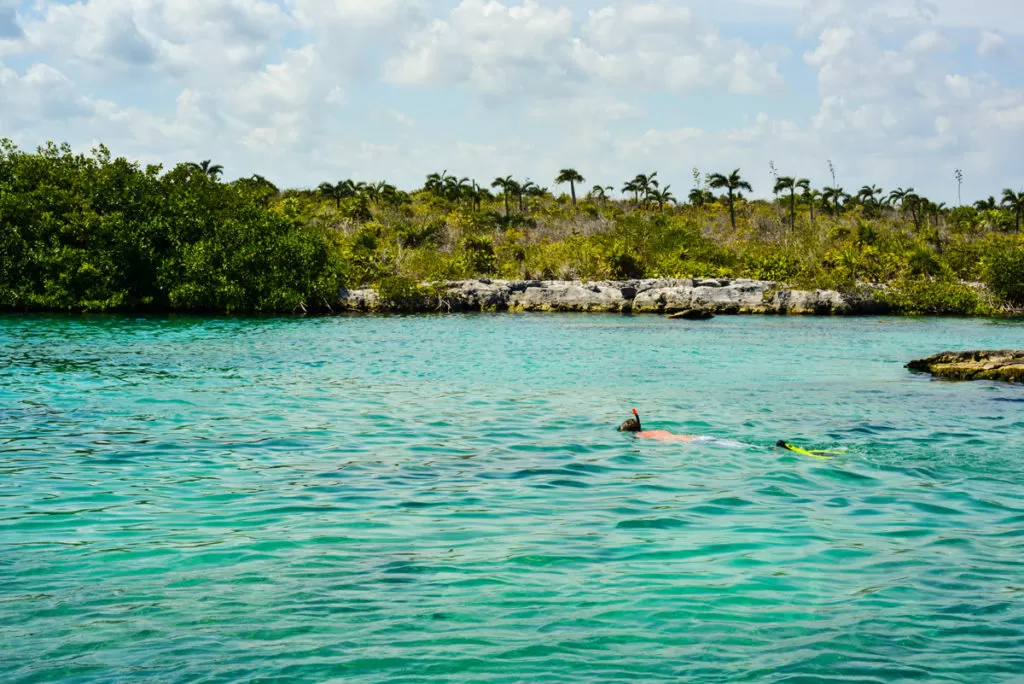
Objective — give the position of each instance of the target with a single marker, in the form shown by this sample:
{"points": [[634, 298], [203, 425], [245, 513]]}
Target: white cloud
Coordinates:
{"points": [[351, 33], [1008, 14], [357, 14], [658, 45], [280, 92], [959, 86], [532, 49], [930, 40], [189, 129], [891, 110], [991, 44], [42, 92], [1005, 113], [492, 48], [176, 37], [584, 108]]}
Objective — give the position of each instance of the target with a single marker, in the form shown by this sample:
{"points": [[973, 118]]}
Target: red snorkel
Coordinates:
{"points": [[637, 420]]}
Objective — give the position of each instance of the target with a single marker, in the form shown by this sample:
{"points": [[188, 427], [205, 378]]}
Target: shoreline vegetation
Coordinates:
{"points": [[93, 232]]}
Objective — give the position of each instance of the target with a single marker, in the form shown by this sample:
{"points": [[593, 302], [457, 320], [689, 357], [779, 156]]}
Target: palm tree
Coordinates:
{"points": [[908, 200], [477, 194], [525, 188], [516, 190], [868, 197], [808, 195], [506, 184], [329, 191], [632, 187], [788, 183], [834, 195], [600, 192], [371, 191], [986, 204], [698, 197], [435, 184], [455, 188], [256, 185], [572, 177], [213, 171], [339, 191], [1014, 201], [640, 185], [916, 204], [897, 197], [382, 191], [661, 196], [731, 184], [646, 182], [392, 196]]}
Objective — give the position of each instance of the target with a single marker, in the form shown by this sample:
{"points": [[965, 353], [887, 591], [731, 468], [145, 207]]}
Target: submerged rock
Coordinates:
{"points": [[1006, 365], [692, 315], [661, 295]]}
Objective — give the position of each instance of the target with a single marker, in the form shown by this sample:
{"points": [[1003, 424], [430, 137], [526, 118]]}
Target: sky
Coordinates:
{"points": [[892, 92]]}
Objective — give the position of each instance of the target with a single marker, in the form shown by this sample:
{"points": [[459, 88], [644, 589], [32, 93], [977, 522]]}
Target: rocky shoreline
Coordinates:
{"points": [[1006, 365], [656, 296]]}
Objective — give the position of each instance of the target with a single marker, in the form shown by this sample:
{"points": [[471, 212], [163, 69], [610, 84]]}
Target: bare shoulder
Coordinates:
{"points": [[665, 436]]}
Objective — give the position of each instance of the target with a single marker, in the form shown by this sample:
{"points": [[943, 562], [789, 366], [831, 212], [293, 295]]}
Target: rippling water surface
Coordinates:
{"points": [[446, 499]]}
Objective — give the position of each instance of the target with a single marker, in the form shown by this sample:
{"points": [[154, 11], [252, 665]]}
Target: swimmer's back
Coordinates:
{"points": [[665, 436]]}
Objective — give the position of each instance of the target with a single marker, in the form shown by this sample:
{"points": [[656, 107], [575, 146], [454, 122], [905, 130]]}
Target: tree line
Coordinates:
{"points": [[94, 232], [645, 190]]}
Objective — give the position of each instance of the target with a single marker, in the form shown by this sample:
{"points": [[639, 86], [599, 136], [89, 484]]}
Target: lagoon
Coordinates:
{"points": [[445, 498]]}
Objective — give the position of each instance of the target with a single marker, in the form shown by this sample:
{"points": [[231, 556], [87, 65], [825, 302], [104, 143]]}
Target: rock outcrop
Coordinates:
{"points": [[1006, 365], [692, 315], [661, 296]]}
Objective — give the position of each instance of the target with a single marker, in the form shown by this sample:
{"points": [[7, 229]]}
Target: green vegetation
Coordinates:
{"points": [[97, 233]]}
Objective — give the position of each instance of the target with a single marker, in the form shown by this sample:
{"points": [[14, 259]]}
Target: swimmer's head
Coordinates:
{"points": [[631, 425]]}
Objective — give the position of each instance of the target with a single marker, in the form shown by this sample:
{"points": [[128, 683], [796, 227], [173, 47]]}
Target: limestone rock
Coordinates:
{"points": [[692, 315], [568, 296], [818, 302], [476, 295], [655, 295], [359, 300], [1006, 365]]}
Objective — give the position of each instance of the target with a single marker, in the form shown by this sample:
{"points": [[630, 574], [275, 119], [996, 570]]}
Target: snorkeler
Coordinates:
{"points": [[633, 425]]}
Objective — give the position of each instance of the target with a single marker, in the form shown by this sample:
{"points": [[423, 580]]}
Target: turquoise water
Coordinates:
{"points": [[415, 499]]}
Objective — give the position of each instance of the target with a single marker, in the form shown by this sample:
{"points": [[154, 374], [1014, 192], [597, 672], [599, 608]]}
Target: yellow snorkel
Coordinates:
{"points": [[822, 455]]}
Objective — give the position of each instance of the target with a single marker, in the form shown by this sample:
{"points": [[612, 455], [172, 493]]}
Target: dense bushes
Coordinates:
{"points": [[941, 297], [97, 233], [1003, 270]]}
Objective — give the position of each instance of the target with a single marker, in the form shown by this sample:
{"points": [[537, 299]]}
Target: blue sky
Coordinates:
{"points": [[897, 93]]}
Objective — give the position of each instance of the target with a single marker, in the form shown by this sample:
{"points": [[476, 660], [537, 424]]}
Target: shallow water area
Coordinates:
{"points": [[445, 498]]}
